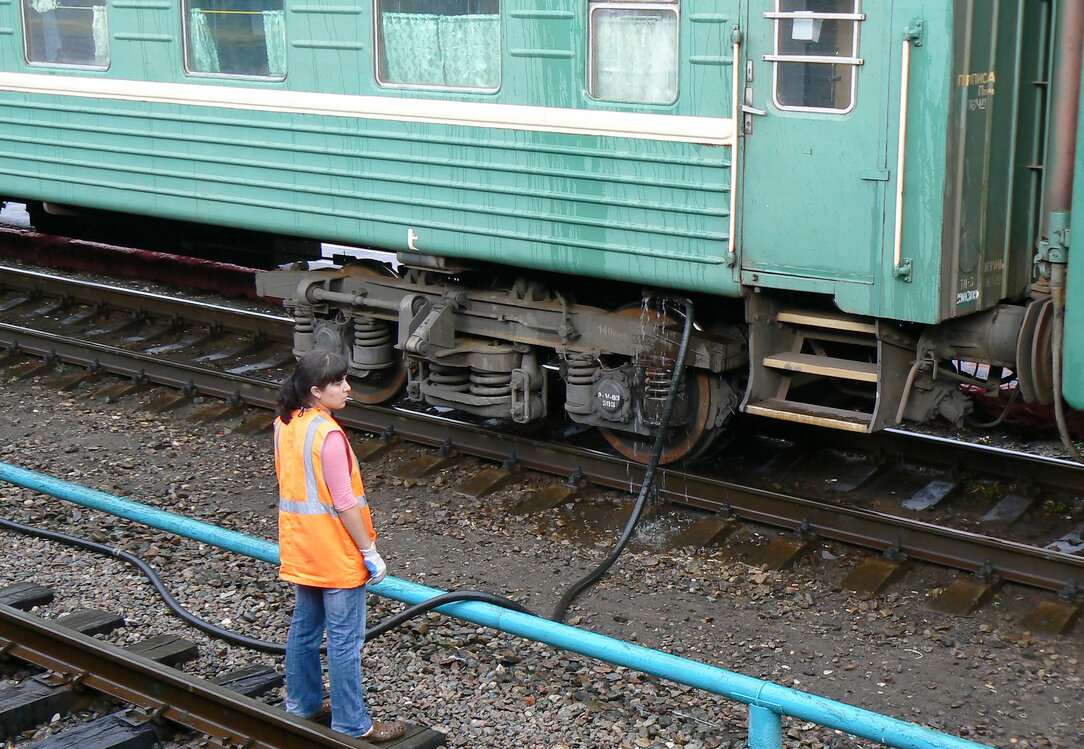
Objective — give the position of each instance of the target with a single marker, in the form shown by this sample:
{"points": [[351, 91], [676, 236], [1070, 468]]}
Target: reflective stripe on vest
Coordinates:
{"points": [[312, 504]]}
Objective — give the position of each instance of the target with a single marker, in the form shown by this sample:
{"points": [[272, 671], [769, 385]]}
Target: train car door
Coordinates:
{"points": [[815, 96]]}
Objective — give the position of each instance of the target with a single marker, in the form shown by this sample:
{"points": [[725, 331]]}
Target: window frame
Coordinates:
{"points": [[856, 16], [185, 7], [592, 6], [378, 47], [66, 65]]}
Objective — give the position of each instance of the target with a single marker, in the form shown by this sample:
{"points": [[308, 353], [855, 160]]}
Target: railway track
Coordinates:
{"points": [[240, 356], [157, 700]]}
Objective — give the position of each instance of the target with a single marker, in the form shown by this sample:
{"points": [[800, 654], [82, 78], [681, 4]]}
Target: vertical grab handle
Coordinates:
{"points": [[901, 268], [732, 250]]}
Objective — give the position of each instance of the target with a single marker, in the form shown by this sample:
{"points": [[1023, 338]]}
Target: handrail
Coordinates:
{"points": [[826, 59], [735, 100], [767, 701], [913, 35]]}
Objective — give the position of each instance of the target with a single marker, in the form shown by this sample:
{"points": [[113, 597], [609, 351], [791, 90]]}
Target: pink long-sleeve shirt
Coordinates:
{"points": [[335, 457]]}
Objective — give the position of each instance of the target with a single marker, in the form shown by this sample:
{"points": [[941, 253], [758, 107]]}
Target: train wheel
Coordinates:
{"points": [[708, 395], [387, 384], [382, 387]]}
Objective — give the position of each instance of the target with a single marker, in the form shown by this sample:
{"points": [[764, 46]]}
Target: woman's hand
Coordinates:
{"points": [[375, 564], [354, 523]]}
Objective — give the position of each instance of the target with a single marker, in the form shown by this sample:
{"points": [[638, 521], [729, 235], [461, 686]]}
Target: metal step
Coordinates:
{"points": [[831, 320], [790, 348], [825, 366], [809, 413]]}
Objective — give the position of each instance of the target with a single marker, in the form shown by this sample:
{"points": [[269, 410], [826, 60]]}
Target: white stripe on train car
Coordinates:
{"points": [[676, 128]]}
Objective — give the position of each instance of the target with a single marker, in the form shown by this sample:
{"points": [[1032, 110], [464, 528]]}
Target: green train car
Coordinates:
{"points": [[867, 203]]}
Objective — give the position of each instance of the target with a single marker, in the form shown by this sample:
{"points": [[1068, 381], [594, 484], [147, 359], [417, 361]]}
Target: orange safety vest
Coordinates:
{"points": [[314, 546]]}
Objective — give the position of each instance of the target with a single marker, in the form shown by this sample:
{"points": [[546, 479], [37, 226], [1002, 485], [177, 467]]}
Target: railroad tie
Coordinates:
{"points": [[91, 621], [417, 737], [549, 498], [25, 596], [134, 729], [36, 699], [489, 480]]}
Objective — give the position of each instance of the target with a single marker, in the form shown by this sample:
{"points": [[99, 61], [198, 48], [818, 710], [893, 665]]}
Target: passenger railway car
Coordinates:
{"points": [[856, 196]]}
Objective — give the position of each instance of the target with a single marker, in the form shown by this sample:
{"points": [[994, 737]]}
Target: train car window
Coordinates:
{"points": [[445, 43], [235, 38], [633, 52], [66, 32], [816, 54]]}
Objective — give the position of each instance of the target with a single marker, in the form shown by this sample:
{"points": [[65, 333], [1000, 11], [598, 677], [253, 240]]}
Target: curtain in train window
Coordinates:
{"points": [[236, 37], [633, 52], [816, 54], [450, 43], [66, 32]]}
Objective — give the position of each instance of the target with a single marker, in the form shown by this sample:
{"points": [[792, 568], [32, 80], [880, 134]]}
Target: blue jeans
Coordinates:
{"points": [[342, 612]]}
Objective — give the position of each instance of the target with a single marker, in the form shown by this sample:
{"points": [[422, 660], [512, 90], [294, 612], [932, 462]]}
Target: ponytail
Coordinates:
{"points": [[315, 369]]}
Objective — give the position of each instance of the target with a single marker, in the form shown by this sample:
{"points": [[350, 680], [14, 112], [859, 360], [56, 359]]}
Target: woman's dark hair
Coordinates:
{"points": [[314, 369]]}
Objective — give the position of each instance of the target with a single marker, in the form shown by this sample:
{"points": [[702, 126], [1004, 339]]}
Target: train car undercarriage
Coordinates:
{"points": [[491, 352], [453, 337]]}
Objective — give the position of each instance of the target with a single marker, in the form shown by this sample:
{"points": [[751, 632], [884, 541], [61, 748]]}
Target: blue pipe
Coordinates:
{"points": [[764, 697], [765, 728]]}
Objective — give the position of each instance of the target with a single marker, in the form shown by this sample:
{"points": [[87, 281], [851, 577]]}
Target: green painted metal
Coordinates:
{"points": [[816, 194], [813, 193], [987, 244], [641, 210], [969, 197], [1072, 384]]}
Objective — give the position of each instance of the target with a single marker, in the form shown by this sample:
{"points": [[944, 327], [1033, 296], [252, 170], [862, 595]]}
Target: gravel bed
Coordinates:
{"points": [[981, 676]]}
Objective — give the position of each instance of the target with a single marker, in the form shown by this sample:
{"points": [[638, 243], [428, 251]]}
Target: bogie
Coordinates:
{"points": [[484, 352]]}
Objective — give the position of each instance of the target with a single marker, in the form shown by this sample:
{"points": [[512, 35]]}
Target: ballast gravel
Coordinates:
{"points": [[982, 676]]}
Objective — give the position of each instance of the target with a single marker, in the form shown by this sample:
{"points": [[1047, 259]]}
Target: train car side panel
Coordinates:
{"points": [[536, 173], [987, 249], [912, 261], [1072, 385], [814, 177], [963, 127], [639, 211]]}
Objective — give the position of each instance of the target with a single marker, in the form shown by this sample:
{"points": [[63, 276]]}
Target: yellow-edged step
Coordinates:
{"points": [[808, 413], [847, 369], [827, 320]]}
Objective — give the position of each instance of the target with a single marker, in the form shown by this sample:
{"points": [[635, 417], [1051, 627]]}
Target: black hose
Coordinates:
{"points": [[431, 603], [649, 477], [234, 638]]}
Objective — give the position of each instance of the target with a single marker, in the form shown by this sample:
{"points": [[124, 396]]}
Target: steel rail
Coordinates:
{"points": [[140, 366], [277, 327], [1041, 472], [1038, 470], [1045, 471], [1043, 568], [167, 694]]}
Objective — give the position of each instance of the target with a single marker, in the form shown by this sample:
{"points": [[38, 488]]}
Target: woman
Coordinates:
{"points": [[327, 547]]}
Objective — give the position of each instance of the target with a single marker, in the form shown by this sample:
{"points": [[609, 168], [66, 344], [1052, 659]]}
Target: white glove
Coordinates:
{"points": [[375, 564]]}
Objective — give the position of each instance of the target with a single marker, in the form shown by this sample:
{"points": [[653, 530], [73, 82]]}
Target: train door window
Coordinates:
{"points": [[633, 52], [445, 43], [235, 38], [66, 32], [816, 54]]}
